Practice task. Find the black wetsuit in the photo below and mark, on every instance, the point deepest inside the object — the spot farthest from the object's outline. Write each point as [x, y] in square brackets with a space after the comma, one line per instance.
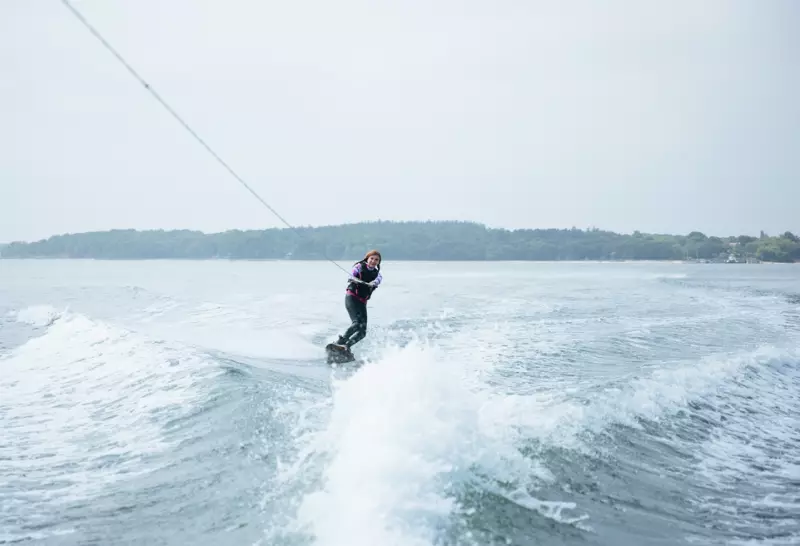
[355, 301]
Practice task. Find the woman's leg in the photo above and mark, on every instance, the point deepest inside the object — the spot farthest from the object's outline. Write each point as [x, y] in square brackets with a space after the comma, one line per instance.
[358, 315]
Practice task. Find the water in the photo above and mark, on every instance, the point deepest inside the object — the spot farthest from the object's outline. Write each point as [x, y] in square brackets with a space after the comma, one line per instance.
[501, 403]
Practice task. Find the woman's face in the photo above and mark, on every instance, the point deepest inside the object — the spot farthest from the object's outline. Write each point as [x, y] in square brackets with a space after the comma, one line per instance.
[373, 261]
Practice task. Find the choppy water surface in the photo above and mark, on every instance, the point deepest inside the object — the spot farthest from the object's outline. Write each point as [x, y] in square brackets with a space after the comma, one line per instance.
[501, 403]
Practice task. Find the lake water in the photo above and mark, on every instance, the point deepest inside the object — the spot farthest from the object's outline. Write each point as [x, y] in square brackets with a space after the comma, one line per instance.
[500, 403]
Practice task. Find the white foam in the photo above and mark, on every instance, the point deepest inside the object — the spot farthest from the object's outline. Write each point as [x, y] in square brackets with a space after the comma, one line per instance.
[38, 315]
[85, 391]
[559, 418]
[404, 433]
[757, 444]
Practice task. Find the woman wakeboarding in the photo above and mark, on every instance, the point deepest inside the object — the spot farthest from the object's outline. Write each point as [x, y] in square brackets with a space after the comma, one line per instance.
[365, 278]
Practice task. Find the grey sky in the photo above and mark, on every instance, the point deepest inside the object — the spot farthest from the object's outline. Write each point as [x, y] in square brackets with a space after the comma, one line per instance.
[657, 116]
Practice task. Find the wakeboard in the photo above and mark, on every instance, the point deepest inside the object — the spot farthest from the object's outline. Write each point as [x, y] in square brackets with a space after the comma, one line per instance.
[338, 355]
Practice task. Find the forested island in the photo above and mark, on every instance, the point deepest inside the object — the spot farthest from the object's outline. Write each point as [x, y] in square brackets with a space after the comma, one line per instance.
[445, 240]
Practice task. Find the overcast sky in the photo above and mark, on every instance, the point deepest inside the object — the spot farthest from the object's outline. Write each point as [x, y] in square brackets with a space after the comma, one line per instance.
[658, 116]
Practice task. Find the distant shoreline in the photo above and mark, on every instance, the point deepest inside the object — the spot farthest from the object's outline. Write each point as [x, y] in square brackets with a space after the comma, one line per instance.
[410, 260]
[411, 241]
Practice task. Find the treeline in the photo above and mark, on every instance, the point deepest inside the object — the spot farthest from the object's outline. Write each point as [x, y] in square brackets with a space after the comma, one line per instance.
[409, 241]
